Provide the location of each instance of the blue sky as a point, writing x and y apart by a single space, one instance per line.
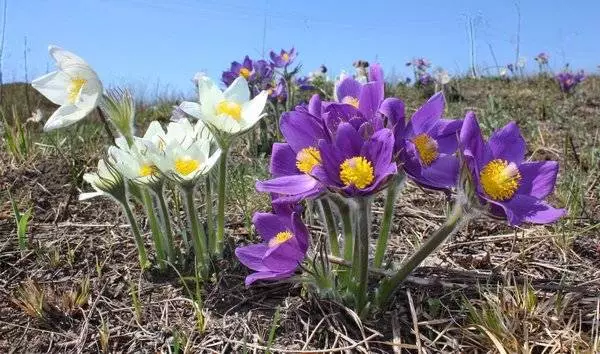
159 45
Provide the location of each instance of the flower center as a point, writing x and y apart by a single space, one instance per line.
427 148
245 73
500 179
307 159
280 238
357 171
186 165
285 57
75 88
229 108
147 170
353 101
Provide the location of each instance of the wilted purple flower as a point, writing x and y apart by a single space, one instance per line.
285 246
542 58
279 93
284 58
568 80
511 68
513 188
245 69
304 84
428 145
292 163
355 166
425 79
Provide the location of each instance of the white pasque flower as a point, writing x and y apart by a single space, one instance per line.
230 111
105 181
185 152
75 87
441 76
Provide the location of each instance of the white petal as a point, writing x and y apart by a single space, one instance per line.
65 116
252 111
209 93
89 195
238 91
212 160
154 129
55 86
63 57
191 108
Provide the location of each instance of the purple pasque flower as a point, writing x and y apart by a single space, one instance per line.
245 69
285 244
568 80
428 144
284 58
365 97
353 165
513 188
263 73
293 162
304 83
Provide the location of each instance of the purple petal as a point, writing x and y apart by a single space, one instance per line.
379 149
472 145
445 132
251 256
267 275
301 130
523 208
428 114
348 140
393 109
292 185
315 106
508 144
300 232
329 170
370 98
268 225
348 88
284 258
538 178
376 73
443 172
283 160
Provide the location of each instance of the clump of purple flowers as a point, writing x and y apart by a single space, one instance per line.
568 81
421 73
345 152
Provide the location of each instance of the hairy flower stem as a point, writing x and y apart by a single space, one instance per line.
166 220
157 235
360 263
451 225
220 237
210 224
388 215
137 236
334 246
197 230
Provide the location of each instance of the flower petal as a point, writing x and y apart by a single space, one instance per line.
238 91
538 178
252 110
508 144
192 109
473 147
252 278
523 208
251 256
348 87
428 114
54 86
283 160
268 225
301 130
291 185
65 116
371 96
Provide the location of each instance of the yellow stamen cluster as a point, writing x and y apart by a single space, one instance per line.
307 159
500 179
74 88
353 101
280 238
185 165
357 171
285 57
229 108
427 148
245 73
147 170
